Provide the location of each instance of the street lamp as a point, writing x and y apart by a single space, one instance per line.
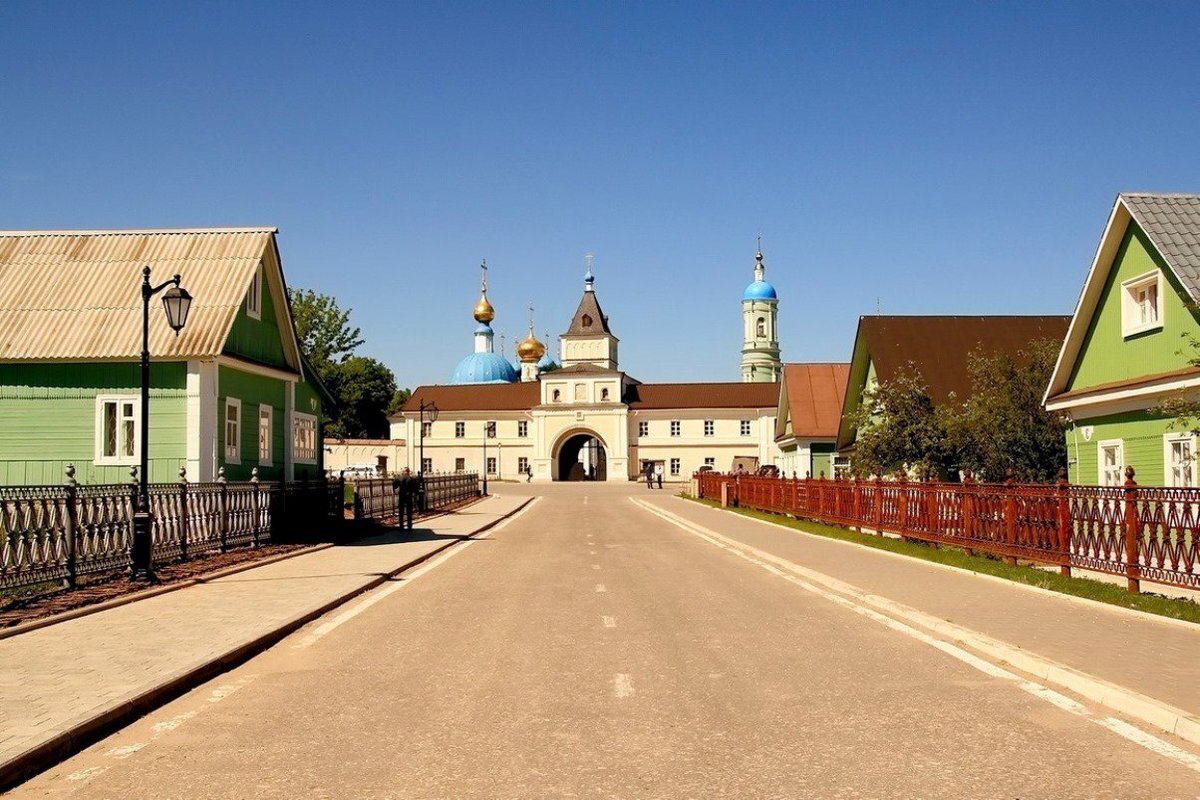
431 410
176 303
489 431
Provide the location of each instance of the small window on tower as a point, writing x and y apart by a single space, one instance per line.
762 327
587 321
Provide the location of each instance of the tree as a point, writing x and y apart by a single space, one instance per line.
363 388
398 400
899 428
1183 405
1004 424
323 329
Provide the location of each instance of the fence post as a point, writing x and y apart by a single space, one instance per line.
1063 507
1010 512
133 504
902 481
1133 572
183 513
967 507
223 516
257 504
878 505
72 524
341 498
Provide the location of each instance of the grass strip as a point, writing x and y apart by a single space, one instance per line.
1176 608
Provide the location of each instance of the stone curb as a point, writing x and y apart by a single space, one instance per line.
87 730
1126 701
146 594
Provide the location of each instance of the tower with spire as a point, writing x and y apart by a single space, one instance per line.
485 365
530 351
760 313
589 340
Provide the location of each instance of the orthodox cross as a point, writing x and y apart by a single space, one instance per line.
588 257
483 276
531 319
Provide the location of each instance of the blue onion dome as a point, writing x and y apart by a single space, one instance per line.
485 368
760 290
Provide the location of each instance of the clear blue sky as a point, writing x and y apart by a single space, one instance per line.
956 158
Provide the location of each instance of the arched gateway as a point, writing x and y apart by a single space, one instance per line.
581 456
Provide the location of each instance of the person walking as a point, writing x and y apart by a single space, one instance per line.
649 475
658 471
528 473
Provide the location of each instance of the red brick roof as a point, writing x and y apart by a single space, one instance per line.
702 395
814 396
477 397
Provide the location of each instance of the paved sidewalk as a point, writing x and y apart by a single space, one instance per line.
64 677
1159 658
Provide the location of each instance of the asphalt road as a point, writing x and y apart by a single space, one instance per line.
589 648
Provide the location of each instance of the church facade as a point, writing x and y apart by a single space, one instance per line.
587 419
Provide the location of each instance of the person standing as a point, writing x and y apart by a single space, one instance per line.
658 472
649 475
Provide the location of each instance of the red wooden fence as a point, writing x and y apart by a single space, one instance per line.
1141 532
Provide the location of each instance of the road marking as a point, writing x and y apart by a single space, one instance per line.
595 566
623 685
88 773
126 750
600 588
376 595
609 622
1121 728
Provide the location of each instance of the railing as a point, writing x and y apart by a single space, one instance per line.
384 498
1140 532
59 533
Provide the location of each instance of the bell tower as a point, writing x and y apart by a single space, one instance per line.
760 314
589 340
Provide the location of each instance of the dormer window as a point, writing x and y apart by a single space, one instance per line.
587 321
254 296
1141 304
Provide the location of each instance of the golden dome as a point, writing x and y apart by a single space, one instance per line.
483 310
531 349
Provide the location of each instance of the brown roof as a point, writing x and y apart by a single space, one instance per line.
702 395
1129 383
477 397
939 346
77 294
814 397
589 320
366 442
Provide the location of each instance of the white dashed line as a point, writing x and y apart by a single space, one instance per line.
609 622
623 685
595 566
600 588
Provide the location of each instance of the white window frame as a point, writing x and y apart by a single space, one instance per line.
232 451
266 460
676 427
676 466
522 465
490 429
297 454
254 295
1131 323
118 460
1100 448
710 427
460 430
426 429
427 464
744 427
643 428
710 461
523 428
460 465
491 465
1174 438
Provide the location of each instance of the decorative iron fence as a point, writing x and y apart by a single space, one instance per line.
384 498
1141 532
59 533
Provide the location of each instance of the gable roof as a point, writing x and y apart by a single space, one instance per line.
645 396
1172 224
77 294
939 347
811 397
589 307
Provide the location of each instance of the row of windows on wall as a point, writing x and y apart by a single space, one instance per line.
580 394
118 431
1179 460
710 427
489 429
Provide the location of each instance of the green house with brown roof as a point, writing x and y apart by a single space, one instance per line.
230 391
1127 350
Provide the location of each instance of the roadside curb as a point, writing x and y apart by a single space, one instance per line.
1163 716
87 730
155 591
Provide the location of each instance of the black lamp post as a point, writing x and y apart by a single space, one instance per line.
176 303
431 410
489 430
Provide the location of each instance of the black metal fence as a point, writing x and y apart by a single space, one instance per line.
384 498
59 533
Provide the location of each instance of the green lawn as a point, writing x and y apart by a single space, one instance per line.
956 557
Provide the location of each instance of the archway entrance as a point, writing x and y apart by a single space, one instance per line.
581 457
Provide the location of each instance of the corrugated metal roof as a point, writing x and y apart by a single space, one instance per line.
76 294
814 395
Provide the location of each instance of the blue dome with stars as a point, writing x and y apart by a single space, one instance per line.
485 368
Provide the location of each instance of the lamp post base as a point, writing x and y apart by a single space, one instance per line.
140 568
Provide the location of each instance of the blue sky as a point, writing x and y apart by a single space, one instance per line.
929 158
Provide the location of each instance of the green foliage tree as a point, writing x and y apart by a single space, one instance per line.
1183 406
323 328
899 428
1004 425
363 387
398 400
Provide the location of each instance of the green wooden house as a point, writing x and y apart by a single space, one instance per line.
1127 349
230 390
